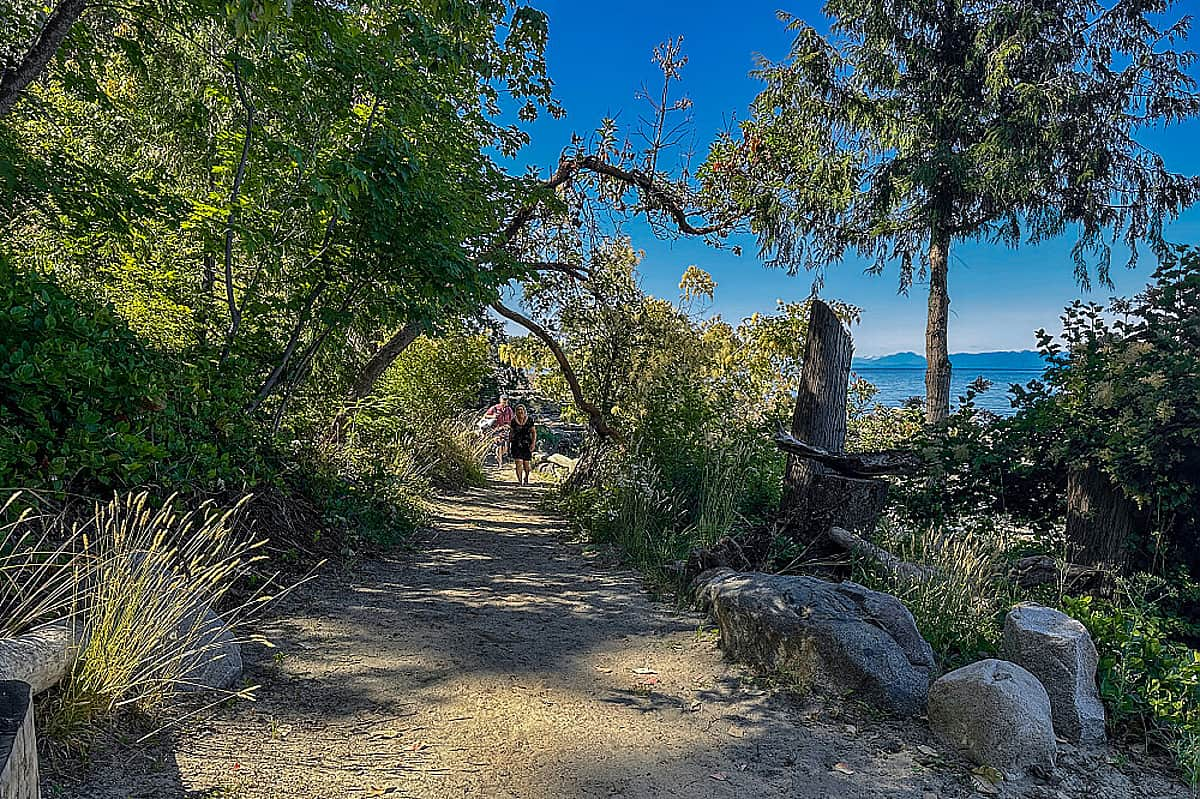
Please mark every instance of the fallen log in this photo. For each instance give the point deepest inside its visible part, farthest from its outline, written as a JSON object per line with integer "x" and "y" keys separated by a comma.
{"x": 557, "y": 461}
{"x": 895, "y": 566}
{"x": 1038, "y": 570}
{"x": 40, "y": 657}
{"x": 863, "y": 464}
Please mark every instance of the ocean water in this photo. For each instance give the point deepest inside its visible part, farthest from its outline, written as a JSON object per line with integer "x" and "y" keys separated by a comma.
{"x": 897, "y": 385}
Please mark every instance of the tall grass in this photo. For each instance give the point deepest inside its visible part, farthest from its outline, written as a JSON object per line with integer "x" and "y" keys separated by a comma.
{"x": 155, "y": 594}
{"x": 37, "y": 577}
{"x": 957, "y": 610}
{"x": 642, "y": 518}
{"x": 720, "y": 493}
{"x": 152, "y": 577}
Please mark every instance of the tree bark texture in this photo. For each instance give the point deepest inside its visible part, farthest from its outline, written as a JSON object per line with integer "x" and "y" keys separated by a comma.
{"x": 937, "y": 354}
{"x": 15, "y": 80}
{"x": 1104, "y": 527}
{"x": 819, "y": 417}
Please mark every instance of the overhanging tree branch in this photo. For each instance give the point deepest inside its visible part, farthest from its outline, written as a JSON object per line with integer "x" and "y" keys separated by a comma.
{"x": 595, "y": 415}
{"x": 15, "y": 80}
{"x": 660, "y": 199}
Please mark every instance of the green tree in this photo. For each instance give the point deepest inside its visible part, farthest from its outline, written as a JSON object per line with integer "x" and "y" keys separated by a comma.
{"x": 920, "y": 123}
{"x": 257, "y": 184}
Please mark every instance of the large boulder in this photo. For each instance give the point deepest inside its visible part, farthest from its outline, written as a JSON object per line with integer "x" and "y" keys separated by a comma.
{"x": 998, "y": 713}
{"x": 1058, "y": 651}
{"x": 841, "y": 635}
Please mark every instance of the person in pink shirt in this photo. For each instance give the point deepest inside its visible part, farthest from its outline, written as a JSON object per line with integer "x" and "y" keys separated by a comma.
{"x": 497, "y": 419}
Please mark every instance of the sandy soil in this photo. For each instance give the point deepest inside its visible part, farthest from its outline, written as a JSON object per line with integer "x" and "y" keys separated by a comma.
{"x": 502, "y": 661}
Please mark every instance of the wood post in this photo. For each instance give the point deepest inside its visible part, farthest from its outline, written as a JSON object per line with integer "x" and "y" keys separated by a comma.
{"x": 18, "y": 743}
{"x": 816, "y": 497}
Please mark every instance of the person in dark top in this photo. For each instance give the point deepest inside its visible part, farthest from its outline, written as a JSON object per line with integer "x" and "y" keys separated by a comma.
{"x": 522, "y": 438}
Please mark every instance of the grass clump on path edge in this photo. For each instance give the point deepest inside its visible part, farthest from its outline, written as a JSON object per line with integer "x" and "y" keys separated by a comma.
{"x": 150, "y": 591}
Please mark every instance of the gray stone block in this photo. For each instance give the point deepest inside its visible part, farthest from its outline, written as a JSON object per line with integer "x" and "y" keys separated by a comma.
{"x": 1058, "y": 651}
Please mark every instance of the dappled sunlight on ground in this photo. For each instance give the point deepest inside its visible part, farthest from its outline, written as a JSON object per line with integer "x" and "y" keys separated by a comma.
{"x": 502, "y": 661}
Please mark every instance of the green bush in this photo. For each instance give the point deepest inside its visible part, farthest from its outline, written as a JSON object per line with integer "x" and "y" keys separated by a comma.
{"x": 694, "y": 472}
{"x": 86, "y": 405}
{"x": 417, "y": 425}
{"x": 1149, "y": 676}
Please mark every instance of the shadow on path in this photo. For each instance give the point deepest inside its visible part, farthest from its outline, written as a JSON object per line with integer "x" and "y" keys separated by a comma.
{"x": 502, "y": 661}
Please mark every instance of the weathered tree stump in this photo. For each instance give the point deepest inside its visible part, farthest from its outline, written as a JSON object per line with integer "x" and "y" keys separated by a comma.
{"x": 1104, "y": 527}
{"x": 815, "y": 496}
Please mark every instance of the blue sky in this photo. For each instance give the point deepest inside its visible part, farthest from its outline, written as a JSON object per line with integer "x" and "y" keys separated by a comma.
{"x": 599, "y": 58}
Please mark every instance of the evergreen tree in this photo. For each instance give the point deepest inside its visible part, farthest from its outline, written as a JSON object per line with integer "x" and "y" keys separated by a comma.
{"x": 920, "y": 123}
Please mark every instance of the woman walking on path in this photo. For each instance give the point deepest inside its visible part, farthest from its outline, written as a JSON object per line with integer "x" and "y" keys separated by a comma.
{"x": 497, "y": 419}
{"x": 523, "y": 435}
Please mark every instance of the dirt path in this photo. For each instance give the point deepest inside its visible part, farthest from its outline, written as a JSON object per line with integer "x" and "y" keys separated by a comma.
{"x": 501, "y": 662}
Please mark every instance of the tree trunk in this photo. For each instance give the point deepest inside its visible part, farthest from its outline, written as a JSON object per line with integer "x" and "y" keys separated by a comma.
{"x": 387, "y": 354}
{"x": 937, "y": 355}
{"x": 819, "y": 417}
{"x": 368, "y": 376}
{"x": 1104, "y": 527}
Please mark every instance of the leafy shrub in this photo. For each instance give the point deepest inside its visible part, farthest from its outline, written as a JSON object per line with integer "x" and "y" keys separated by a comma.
{"x": 437, "y": 377}
{"x": 85, "y": 405}
{"x": 370, "y": 498}
{"x": 1124, "y": 396}
{"x": 871, "y": 427}
{"x": 1149, "y": 678}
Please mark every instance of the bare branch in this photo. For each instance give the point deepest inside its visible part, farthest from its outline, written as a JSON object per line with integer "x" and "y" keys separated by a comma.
{"x": 595, "y": 415}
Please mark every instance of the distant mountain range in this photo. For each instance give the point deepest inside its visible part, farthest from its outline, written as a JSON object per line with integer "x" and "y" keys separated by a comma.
{"x": 1012, "y": 359}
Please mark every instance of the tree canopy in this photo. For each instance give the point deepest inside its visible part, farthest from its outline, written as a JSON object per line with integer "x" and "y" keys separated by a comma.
{"x": 916, "y": 124}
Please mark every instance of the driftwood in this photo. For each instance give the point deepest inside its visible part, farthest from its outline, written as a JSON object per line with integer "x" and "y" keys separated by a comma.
{"x": 556, "y": 461}
{"x": 864, "y": 464}
{"x": 898, "y": 568}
